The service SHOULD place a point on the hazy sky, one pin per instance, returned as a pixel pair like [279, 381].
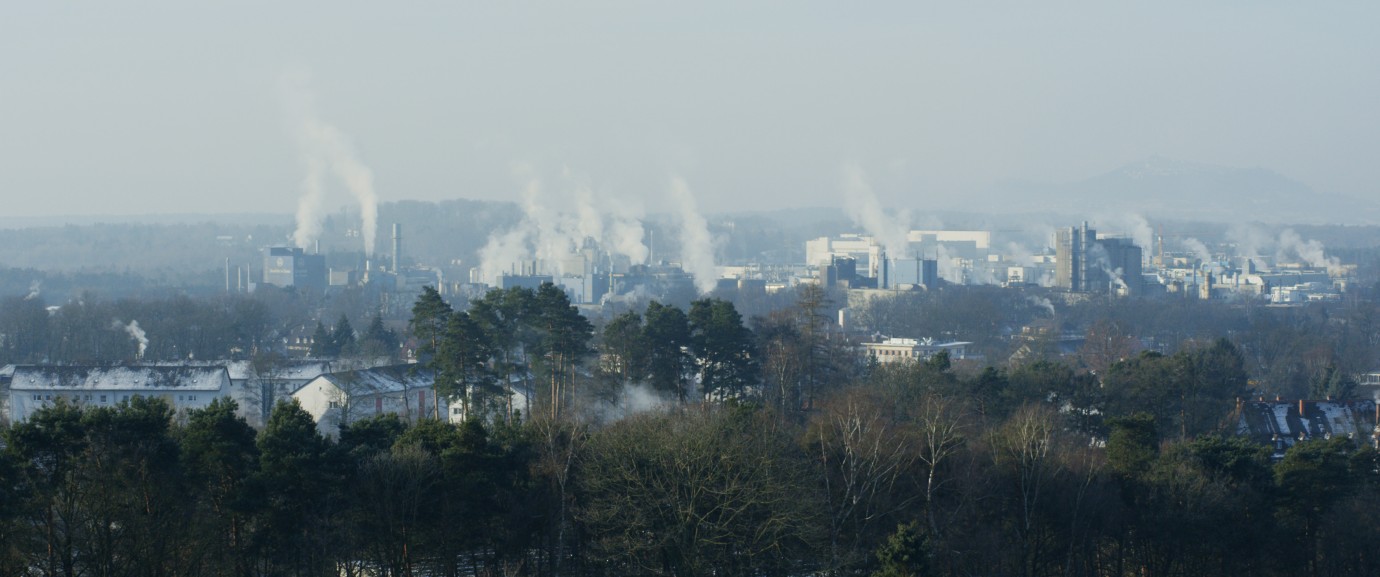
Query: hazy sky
[138, 107]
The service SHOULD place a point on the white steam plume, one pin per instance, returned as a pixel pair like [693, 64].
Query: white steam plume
[502, 251]
[1251, 241]
[34, 290]
[309, 214]
[1132, 226]
[696, 245]
[555, 225]
[1199, 250]
[324, 147]
[631, 400]
[132, 329]
[1310, 252]
[1043, 303]
[867, 212]
[1098, 256]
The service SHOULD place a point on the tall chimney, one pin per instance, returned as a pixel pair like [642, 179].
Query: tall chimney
[397, 248]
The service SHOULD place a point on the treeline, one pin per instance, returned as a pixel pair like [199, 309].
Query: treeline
[91, 330]
[537, 340]
[906, 469]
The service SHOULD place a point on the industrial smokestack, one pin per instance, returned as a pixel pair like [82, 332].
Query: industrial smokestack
[397, 248]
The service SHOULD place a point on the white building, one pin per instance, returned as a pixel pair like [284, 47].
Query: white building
[33, 387]
[336, 399]
[895, 350]
[862, 248]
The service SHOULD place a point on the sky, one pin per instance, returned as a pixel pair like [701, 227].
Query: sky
[194, 107]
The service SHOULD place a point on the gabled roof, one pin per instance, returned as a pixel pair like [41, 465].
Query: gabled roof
[389, 379]
[119, 378]
[1281, 424]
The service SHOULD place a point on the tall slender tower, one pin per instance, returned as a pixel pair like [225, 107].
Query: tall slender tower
[397, 248]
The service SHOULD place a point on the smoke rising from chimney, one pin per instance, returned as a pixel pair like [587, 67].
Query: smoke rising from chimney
[323, 148]
[1200, 251]
[696, 244]
[132, 329]
[557, 223]
[867, 212]
[1310, 252]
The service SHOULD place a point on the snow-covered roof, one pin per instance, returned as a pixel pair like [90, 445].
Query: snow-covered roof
[389, 379]
[287, 369]
[1280, 424]
[122, 378]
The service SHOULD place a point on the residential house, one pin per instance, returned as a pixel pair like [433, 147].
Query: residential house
[33, 387]
[336, 399]
[1280, 424]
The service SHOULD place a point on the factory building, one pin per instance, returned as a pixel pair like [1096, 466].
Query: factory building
[910, 273]
[292, 267]
[864, 250]
[1088, 263]
[973, 245]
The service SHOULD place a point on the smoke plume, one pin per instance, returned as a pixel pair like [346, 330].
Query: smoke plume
[1132, 226]
[1251, 241]
[1310, 252]
[556, 224]
[325, 148]
[696, 245]
[867, 212]
[1043, 303]
[631, 400]
[34, 290]
[1199, 250]
[132, 329]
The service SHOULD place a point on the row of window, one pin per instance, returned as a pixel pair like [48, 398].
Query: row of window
[103, 398]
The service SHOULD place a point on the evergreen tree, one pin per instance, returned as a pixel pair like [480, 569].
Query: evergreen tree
[221, 459]
[429, 316]
[322, 345]
[625, 349]
[669, 348]
[378, 340]
[903, 554]
[295, 485]
[505, 318]
[461, 363]
[724, 347]
[564, 343]
[343, 337]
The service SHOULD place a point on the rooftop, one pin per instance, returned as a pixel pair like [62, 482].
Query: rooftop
[118, 378]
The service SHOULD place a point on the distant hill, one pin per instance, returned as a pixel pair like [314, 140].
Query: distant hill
[1167, 188]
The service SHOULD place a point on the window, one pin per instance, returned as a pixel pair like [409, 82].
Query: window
[180, 398]
[88, 398]
[38, 397]
[191, 397]
[457, 411]
[334, 404]
[102, 398]
[47, 397]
